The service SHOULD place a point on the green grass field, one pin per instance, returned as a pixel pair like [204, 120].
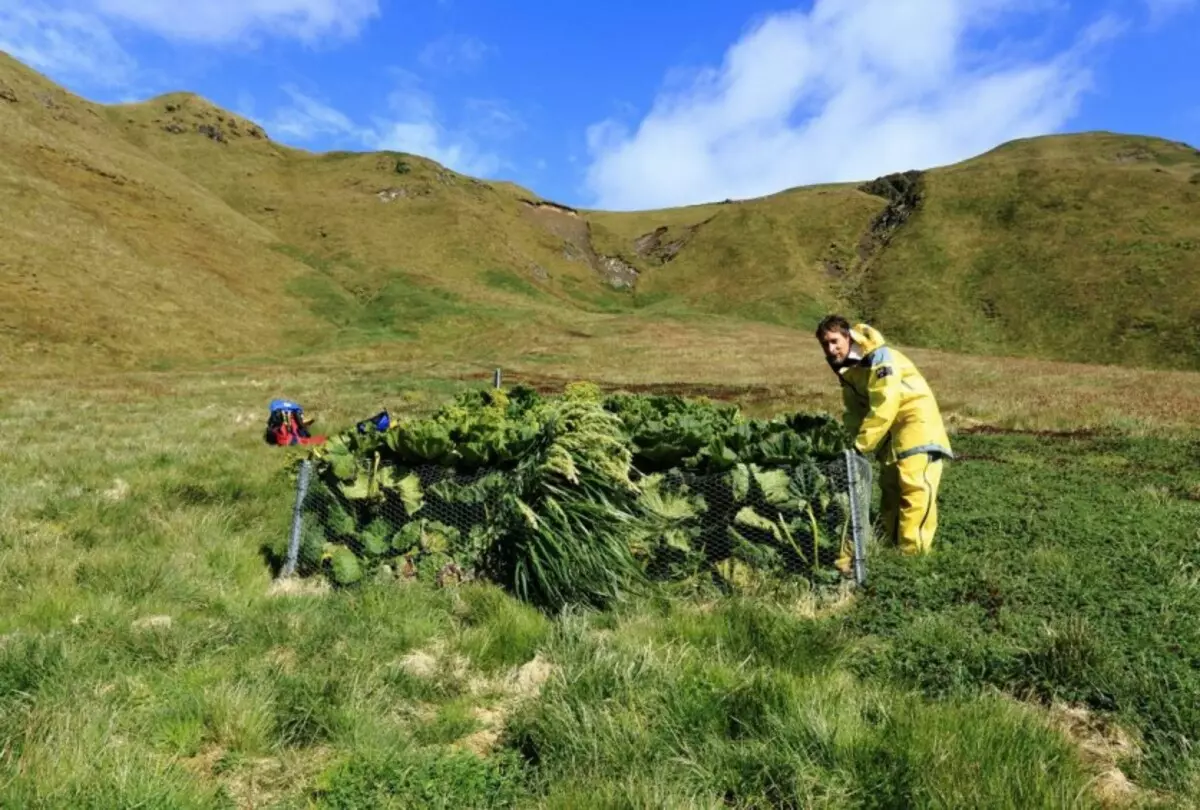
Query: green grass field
[1044, 657]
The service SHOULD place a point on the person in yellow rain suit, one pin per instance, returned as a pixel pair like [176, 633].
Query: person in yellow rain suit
[891, 412]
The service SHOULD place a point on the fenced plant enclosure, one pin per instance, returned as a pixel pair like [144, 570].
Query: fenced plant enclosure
[584, 497]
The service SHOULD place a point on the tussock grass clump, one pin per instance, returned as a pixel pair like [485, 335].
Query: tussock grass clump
[712, 724]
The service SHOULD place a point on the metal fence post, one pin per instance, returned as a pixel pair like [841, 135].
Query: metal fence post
[496, 379]
[293, 552]
[856, 527]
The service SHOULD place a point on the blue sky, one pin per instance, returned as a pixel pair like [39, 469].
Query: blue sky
[630, 104]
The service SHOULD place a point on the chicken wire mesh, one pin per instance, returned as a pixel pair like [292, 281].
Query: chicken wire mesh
[443, 525]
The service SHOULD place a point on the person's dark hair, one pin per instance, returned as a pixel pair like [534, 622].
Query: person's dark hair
[832, 323]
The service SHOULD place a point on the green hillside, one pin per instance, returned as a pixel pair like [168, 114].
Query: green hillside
[171, 231]
[1081, 247]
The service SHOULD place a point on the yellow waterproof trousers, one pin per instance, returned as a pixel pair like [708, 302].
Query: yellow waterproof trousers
[908, 510]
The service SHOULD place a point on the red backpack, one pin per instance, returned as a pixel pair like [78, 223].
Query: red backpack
[286, 425]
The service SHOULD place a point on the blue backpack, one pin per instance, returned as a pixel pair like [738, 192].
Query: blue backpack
[380, 421]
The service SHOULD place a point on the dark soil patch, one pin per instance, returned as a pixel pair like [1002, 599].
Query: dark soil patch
[659, 245]
[549, 384]
[992, 430]
[960, 457]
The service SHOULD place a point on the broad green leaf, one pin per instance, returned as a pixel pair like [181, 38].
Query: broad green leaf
[775, 485]
[676, 538]
[358, 489]
[746, 516]
[740, 476]
[411, 494]
[374, 545]
[344, 566]
[734, 572]
[339, 521]
[667, 505]
[434, 542]
[408, 538]
[344, 466]
[438, 538]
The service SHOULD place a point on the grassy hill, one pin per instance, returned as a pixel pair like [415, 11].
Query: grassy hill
[171, 232]
[110, 255]
[1078, 247]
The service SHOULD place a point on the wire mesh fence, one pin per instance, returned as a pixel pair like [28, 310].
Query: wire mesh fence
[807, 519]
[439, 524]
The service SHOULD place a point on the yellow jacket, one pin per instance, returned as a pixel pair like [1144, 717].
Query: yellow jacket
[890, 409]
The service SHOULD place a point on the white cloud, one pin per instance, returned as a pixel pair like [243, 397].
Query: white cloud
[848, 90]
[1162, 10]
[492, 118]
[410, 125]
[453, 53]
[427, 139]
[216, 21]
[77, 39]
[307, 120]
[67, 44]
